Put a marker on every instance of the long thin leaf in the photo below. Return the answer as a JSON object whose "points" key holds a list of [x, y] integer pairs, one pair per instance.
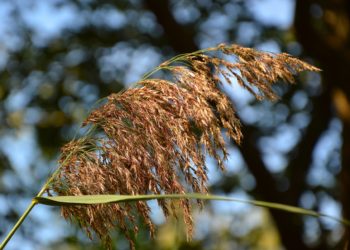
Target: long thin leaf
{"points": [[104, 199]]}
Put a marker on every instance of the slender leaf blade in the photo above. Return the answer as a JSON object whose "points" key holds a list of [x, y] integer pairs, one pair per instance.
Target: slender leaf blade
{"points": [[105, 199]]}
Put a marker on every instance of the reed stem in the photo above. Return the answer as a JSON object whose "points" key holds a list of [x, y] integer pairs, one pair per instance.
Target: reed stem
{"points": [[18, 224], [27, 211]]}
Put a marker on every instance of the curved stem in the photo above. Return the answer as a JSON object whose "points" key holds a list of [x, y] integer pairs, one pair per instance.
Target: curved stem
{"points": [[27, 211], [30, 207], [177, 58], [18, 224]]}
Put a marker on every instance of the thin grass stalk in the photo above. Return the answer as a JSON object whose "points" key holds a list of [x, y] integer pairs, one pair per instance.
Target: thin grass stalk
{"points": [[18, 224], [33, 203]]}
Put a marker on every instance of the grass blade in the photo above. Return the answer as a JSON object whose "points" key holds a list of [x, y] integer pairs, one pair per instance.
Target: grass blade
{"points": [[104, 199]]}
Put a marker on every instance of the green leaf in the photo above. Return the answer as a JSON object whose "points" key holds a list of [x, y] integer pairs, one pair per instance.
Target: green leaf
{"points": [[104, 199]]}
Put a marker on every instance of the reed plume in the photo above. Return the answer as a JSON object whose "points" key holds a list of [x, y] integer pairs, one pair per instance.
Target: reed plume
{"points": [[153, 138]]}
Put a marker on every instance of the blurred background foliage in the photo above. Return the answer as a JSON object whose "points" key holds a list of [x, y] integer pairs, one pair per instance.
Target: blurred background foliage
{"points": [[58, 57]]}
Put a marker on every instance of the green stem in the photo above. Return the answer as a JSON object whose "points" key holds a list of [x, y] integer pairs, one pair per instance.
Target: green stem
{"points": [[27, 211], [18, 224], [177, 58]]}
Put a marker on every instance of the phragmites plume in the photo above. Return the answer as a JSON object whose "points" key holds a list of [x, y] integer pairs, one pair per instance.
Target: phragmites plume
{"points": [[153, 138]]}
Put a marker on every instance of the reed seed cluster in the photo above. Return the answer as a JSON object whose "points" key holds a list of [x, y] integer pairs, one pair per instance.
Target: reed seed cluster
{"points": [[153, 138]]}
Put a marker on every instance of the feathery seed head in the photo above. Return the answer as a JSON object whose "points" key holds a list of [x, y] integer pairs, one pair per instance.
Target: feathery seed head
{"points": [[155, 136]]}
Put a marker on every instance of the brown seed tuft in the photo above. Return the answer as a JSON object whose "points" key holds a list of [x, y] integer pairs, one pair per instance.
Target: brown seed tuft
{"points": [[153, 138]]}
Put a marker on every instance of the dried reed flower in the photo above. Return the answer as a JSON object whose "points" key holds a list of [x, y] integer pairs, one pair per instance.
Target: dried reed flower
{"points": [[153, 138]]}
